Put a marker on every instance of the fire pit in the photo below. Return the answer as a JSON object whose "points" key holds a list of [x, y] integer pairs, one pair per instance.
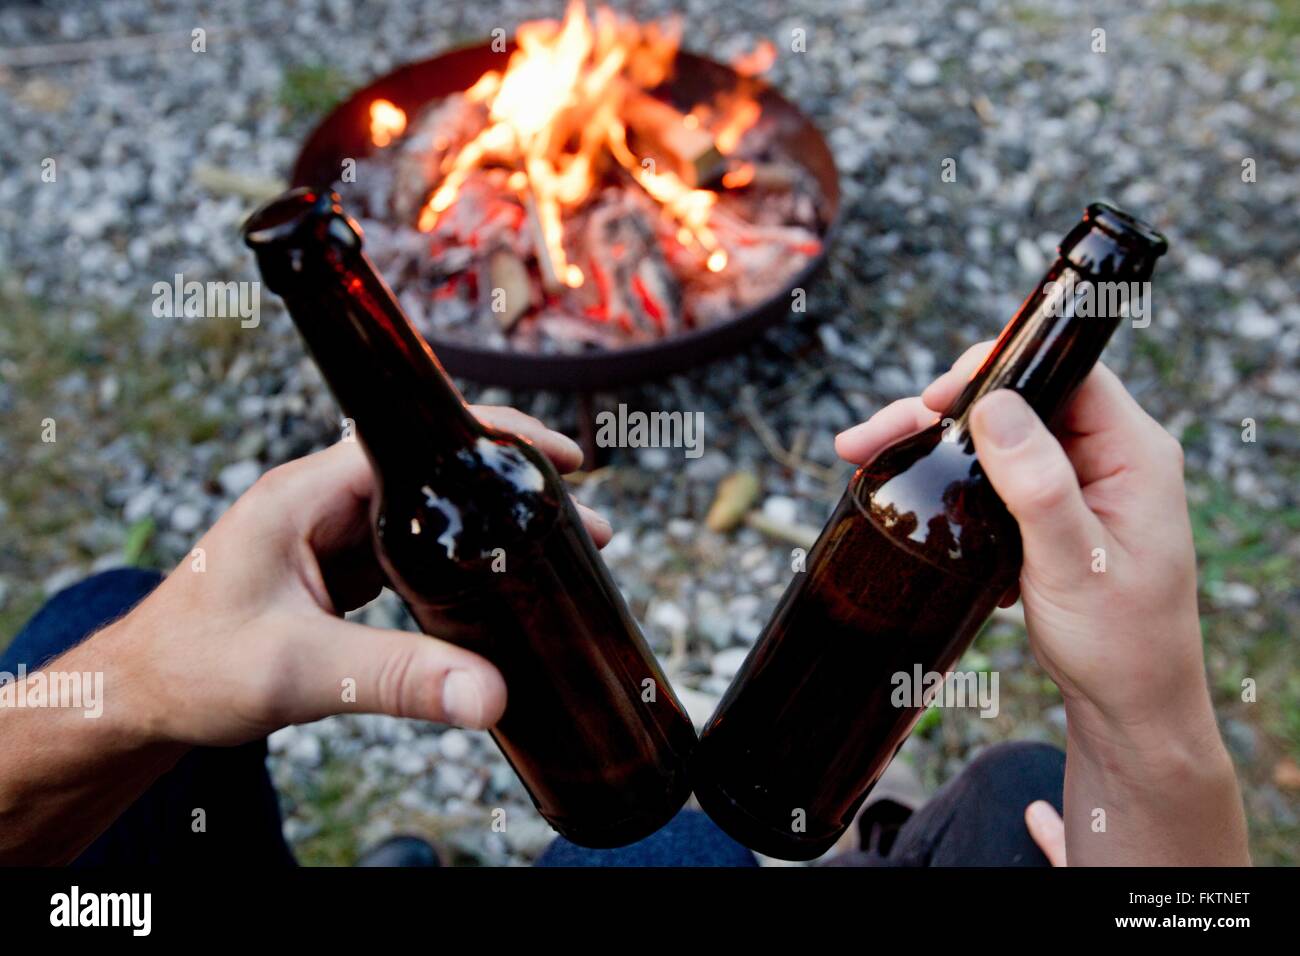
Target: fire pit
{"points": [[584, 208]]}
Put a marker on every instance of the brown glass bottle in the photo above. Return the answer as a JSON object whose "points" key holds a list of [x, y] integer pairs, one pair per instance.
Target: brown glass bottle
{"points": [[911, 563], [476, 533]]}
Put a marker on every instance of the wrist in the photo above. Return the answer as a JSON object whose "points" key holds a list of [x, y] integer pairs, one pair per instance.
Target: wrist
{"points": [[66, 772], [1170, 784], [1160, 749], [135, 709]]}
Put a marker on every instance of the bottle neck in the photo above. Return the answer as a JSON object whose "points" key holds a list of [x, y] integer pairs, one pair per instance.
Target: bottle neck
{"points": [[1102, 275], [1048, 348], [383, 374]]}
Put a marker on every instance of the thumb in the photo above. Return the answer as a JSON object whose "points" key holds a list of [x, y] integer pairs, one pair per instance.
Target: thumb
{"points": [[1032, 475], [1047, 830], [348, 667]]}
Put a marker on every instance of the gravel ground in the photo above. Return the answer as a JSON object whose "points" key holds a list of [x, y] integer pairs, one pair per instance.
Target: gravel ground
{"points": [[164, 422]]}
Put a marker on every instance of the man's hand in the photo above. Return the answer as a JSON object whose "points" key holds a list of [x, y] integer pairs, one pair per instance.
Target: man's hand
{"points": [[256, 640], [252, 642], [1109, 590]]}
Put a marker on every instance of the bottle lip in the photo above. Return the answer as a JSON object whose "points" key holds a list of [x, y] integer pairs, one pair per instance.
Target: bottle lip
{"points": [[1125, 227], [293, 216], [1111, 243]]}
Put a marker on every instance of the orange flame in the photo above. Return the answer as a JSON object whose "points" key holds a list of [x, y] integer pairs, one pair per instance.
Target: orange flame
{"points": [[759, 60], [387, 122]]}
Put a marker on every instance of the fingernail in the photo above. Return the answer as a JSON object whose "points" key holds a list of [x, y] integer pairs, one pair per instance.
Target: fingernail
{"points": [[1006, 418], [462, 703]]}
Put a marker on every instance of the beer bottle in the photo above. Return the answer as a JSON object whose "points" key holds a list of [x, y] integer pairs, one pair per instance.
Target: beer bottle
{"points": [[913, 560], [474, 530]]}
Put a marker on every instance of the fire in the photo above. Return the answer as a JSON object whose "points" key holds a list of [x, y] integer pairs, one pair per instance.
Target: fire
{"points": [[558, 113], [756, 62], [387, 122]]}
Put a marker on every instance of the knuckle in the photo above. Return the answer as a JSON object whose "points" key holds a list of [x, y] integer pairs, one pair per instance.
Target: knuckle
{"points": [[395, 688], [1047, 490], [1170, 450], [271, 483], [976, 351]]}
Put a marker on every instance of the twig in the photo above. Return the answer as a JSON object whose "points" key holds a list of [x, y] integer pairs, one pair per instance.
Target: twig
{"points": [[800, 535], [228, 181], [773, 444]]}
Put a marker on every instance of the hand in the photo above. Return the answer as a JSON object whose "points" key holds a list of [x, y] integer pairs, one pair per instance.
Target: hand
{"points": [[256, 641], [1109, 574], [1109, 590]]}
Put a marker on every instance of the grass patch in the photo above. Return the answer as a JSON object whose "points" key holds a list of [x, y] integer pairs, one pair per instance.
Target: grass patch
{"points": [[102, 378], [310, 91], [1270, 31]]}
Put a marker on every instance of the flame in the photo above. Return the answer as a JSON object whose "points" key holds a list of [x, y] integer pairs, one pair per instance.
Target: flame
{"points": [[759, 60], [387, 122], [727, 136], [739, 177], [555, 113]]}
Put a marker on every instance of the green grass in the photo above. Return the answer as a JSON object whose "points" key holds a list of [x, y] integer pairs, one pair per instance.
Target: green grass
{"points": [[1268, 31], [56, 367], [310, 91], [328, 804]]}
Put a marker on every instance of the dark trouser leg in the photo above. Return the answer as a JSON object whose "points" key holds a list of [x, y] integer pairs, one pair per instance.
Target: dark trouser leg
{"points": [[688, 839], [230, 785], [978, 819]]}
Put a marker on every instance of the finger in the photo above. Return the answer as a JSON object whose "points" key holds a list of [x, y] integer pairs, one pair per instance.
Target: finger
{"points": [[896, 420], [1107, 433], [323, 496], [1048, 830], [1030, 472], [561, 449], [352, 576], [596, 525], [1103, 404], [941, 393], [333, 666]]}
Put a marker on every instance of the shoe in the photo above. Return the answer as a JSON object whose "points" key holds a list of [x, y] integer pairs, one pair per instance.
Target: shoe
{"points": [[400, 851]]}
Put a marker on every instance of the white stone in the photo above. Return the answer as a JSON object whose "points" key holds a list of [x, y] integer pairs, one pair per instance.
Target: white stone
{"points": [[781, 509], [454, 744], [922, 71], [237, 478], [186, 518], [668, 616], [727, 663]]}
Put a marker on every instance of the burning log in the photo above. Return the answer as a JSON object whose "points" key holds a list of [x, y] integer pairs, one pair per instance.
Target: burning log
{"points": [[439, 130], [629, 272], [545, 263], [675, 139], [509, 288]]}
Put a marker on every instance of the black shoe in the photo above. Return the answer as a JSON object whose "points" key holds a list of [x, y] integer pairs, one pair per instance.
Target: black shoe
{"points": [[400, 851]]}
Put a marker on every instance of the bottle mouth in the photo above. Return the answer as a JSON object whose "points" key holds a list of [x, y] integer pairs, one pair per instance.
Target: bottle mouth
{"points": [[294, 216], [1126, 228], [1109, 243]]}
